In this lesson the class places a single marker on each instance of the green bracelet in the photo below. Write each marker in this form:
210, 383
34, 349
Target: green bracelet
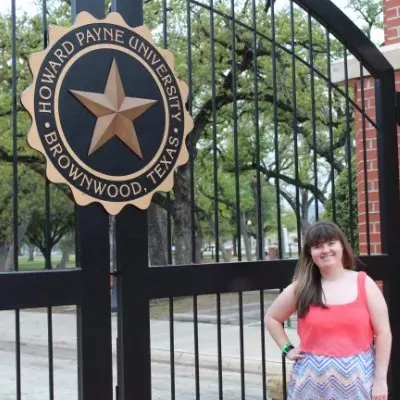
286, 348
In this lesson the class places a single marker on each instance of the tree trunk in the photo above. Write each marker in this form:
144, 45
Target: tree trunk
224, 254
182, 218
247, 244
47, 258
67, 245
64, 259
235, 245
199, 244
158, 241
22, 228
31, 250
183, 232
260, 240
304, 211
3, 256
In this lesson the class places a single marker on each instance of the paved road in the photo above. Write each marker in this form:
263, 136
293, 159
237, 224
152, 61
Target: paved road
35, 378
251, 315
185, 384
34, 358
34, 373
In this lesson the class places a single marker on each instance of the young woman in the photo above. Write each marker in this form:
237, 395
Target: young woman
343, 323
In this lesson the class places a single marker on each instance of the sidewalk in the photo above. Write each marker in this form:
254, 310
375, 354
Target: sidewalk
34, 332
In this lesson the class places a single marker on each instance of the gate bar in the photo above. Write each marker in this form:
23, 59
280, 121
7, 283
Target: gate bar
388, 166
93, 256
94, 314
231, 277
15, 190
40, 289
134, 365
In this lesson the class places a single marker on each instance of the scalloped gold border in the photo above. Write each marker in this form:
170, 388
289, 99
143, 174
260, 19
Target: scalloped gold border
27, 97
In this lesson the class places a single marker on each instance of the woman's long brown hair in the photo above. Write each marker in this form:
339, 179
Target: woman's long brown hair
307, 274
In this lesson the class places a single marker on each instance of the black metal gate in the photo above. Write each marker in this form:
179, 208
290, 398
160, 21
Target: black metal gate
274, 142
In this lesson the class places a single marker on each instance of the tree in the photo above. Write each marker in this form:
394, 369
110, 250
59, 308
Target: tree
61, 223
67, 246
289, 220
7, 222
213, 95
31, 212
179, 205
370, 12
203, 105
342, 204
31, 166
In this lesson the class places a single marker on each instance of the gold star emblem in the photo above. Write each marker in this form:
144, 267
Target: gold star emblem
115, 112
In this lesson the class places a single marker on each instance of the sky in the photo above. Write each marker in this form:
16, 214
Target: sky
29, 6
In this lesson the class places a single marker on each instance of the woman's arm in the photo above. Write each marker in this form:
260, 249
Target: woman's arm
280, 310
380, 323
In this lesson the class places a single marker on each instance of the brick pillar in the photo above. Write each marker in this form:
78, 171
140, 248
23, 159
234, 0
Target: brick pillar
391, 19
372, 169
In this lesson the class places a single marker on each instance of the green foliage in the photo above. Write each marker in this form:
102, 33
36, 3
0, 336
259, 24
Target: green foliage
279, 119
252, 134
370, 12
62, 219
31, 206
30, 181
289, 220
29, 40
342, 205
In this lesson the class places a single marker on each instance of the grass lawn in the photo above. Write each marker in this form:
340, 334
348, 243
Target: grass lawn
38, 263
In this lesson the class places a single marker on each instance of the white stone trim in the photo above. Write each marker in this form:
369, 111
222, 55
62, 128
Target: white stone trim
391, 52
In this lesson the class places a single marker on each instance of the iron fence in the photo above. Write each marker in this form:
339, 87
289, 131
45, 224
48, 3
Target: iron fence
292, 125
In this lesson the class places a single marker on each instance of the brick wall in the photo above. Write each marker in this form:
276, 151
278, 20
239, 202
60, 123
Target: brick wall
391, 20
392, 35
363, 128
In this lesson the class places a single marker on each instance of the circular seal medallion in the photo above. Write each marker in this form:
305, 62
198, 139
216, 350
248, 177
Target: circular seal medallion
108, 112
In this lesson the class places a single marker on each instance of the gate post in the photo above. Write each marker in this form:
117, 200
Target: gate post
390, 212
134, 355
388, 158
134, 365
93, 256
94, 314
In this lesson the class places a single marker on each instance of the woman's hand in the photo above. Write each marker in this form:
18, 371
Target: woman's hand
379, 389
294, 354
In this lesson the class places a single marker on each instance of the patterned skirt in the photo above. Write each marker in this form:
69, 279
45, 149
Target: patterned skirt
333, 378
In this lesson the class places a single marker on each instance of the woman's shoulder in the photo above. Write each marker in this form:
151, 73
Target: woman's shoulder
362, 275
369, 285
354, 276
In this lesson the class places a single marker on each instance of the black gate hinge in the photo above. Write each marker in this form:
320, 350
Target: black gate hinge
397, 102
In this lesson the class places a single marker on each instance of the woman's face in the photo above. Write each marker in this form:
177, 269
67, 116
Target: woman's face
327, 255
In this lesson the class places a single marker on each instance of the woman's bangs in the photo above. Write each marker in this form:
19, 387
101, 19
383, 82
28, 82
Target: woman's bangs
321, 233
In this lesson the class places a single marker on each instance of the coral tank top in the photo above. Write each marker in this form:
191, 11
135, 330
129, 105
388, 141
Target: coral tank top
340, 330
